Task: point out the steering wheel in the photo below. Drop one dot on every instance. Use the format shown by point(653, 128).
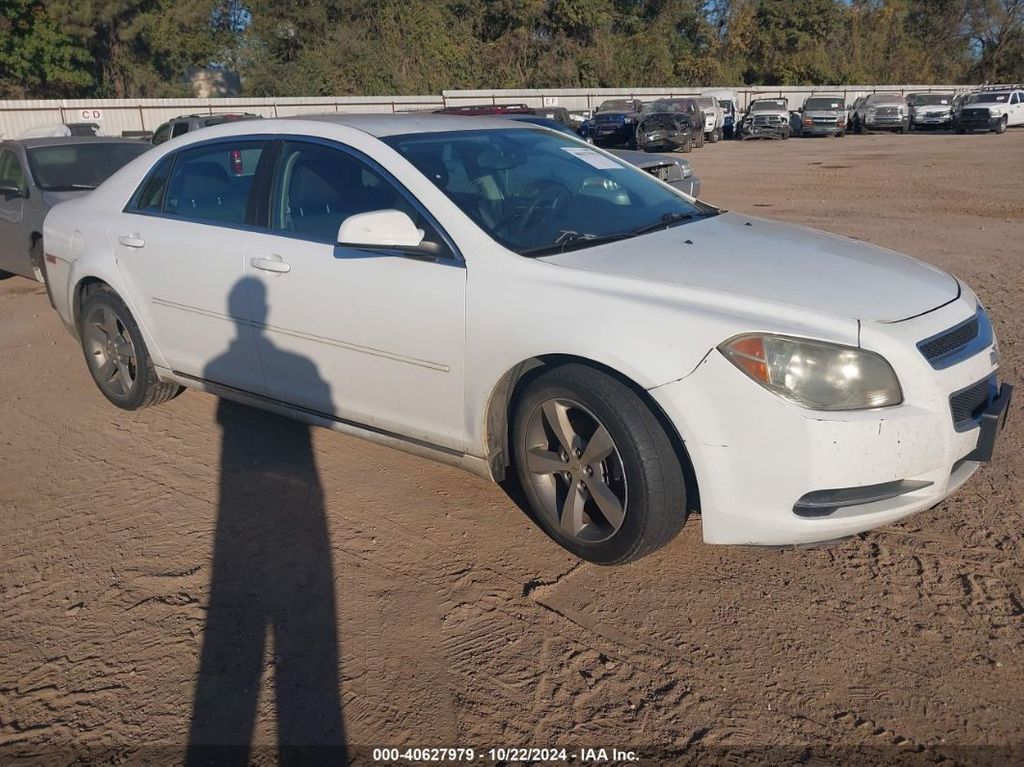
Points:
point(551, 197)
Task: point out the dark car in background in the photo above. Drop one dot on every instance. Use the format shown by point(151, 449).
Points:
point(669, 124)
point(36, 174)
point(614, 123)
point(189, 123)
point(823, 116)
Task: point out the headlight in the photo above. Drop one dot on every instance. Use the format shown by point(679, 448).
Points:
point(996, 111)
point(628, 120)
point(815, 374)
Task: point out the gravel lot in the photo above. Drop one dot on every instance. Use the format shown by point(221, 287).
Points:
point(444, 616)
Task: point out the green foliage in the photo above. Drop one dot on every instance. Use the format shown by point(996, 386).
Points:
point(53, 48)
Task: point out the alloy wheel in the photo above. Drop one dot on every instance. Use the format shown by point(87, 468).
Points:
point(110, 351)
point(576, 470)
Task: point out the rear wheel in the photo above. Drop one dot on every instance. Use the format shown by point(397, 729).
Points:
point(116, 353)
point(688, 144)
point(599, 472)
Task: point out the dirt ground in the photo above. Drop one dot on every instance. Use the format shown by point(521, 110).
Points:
point(424, 600)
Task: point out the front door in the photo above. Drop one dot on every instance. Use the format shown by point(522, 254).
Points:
point(180, 247)
point(13, 239)
point(372, 337)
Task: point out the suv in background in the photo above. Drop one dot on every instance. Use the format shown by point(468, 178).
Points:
point(880, 111)
point(189, 123)
point(823, 116)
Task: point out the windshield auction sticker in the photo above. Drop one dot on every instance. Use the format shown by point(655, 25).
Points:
point(592, 158)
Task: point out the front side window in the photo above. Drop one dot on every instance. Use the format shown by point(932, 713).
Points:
point(212, 182)
point(316, 187)
point(179, 129)
point(536, 192)
point(65, 167)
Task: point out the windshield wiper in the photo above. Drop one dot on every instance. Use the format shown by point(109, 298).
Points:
point(667, 220)
point(569, 240)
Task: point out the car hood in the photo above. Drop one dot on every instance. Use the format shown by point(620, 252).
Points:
point(780, 112)
point(931, 108)
point(776, 262)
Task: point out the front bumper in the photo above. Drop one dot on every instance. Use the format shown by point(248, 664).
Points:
point(979, 123)
point(761, 131)
point(612, 135)
point(658, 139)
point(887, 123)
point(822, 129)
point(933, 121)
point(756, 455)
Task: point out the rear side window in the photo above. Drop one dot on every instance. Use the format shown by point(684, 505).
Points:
point(150, 196)
point(162, 134)
point(178, 129)
point(212, 183)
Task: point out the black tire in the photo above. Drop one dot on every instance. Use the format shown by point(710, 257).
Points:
point(700, 140)
point(840, 134)
point(687, 146)
point(713, 136)
point(146, 389)
point(1001, 126)
point(655, 505)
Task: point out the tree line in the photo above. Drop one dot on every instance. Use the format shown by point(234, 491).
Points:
point(151, 48)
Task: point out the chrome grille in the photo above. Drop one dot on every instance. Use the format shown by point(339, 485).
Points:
point(768, 120)
point(976, 113)
point(887, 112)
point(966, 405)
point(950, 341)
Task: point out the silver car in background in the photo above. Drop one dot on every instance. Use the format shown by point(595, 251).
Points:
point(36, 174)
point(823, 116)
point(881, 111)
point(929, 111)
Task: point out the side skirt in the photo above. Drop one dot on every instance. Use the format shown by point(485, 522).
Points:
point(469, 463)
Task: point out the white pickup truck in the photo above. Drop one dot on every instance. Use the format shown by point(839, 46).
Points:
point(714, 118)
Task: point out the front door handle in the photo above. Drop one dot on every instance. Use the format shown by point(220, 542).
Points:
point(274, 264)
point(131, 241)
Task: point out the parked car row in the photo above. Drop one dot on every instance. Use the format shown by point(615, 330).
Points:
point(517, 303)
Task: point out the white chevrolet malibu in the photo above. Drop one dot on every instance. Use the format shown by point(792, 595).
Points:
point(515, 302)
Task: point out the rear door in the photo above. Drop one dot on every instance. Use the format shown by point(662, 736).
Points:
point(180, 248)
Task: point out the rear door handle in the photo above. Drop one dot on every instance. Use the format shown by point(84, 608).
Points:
point(131, 241)
point(273, 264)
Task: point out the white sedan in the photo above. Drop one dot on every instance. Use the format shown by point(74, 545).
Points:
point(515, 302)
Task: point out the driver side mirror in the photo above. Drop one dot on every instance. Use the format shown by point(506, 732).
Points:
point(386, 228)
point(9, 190)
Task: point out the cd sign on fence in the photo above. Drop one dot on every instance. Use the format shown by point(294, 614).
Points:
point(90, 115)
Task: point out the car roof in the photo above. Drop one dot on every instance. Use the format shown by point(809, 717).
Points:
point(382, 125)
point(32, 143)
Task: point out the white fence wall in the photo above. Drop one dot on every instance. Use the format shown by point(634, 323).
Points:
point(119, 115)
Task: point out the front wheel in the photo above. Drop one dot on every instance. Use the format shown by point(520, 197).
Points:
point(116, 353)
point(599, 472)
point(1001, 125)
point(687, 145)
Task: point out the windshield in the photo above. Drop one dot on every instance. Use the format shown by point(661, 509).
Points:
point(767, 106)
point(931, 99)
point(537, 192)
point(705, 103)
point(982, 98)
point(667, 105)
point(823, 104)
point(616, 106)
point(64, 167)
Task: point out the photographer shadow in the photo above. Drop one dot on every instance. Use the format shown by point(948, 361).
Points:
point(272, 584)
